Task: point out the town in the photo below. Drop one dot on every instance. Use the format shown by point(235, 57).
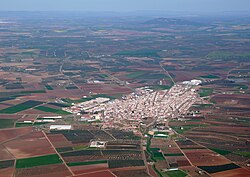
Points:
point(138, 108)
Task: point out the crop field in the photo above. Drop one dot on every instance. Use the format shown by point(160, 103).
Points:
point(204, 157)
point(76, 136)
point(175, 173)
point(135, 74)
point(156, 154)
point(7, 134)
point(21, 124)
point(123, 135)
point(52, 170)
point(82, 153)
point(59, 141)
point(131, 173)
point(48, 87)
point(205, 92)
point(97, 174)
point(125, 163)
point(219, 168)
point(102, 135)
point(64, 149)
point(121, 154)
point(38, 161)
point(20, 107)
point(89, 168)
point(59, 104)
point(7, 164)
point(87, 163)
point(7, 172)
point(6, 123)
point(52, 110)
point(234, 172)
point(40, 146)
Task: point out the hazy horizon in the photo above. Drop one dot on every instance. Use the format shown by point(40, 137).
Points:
point(191, 6)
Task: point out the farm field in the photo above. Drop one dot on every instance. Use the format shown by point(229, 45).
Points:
point(20, 107)
point(40, 146)
point(52, 110)
point(38, 161)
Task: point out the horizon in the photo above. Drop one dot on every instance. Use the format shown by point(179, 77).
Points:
point(194, 6)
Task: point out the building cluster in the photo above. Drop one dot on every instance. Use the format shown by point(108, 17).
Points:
point(132, 110)
point(87, 105)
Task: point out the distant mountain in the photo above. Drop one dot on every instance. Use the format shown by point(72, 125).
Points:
point(171, 21)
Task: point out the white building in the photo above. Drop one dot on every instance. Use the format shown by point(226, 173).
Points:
point(60, 127)
point(192, 82)
point(53, 117)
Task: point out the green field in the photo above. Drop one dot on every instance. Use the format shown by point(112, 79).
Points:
point(38, 161)
point(244, 87)
point(6, 164)
point(103, 75)
point(6, 123)
point(80, 147)
point(87, 163)
point(33, 91)
point(156, 155)
point(221, 151)
point(243, 153)
point(229, 56)
point(52, 110)
point(173, 154)
point(203, 92)
point(6, 99)
point(175, 173)
point(64, 149)
point(20, 107)
point(21, 124)
point(71, 87)
point(210, 77)
point(48, 87)
point(135, 74)
point(202, 105)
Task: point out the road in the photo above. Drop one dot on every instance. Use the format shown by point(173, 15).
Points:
point(167, 73)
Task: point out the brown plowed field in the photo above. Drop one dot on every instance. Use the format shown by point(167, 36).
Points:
point(4, 116)
point(239, 172)
point(105, 89)
point(88, 168)
point(226, 129)
point(13, 133)
point(105, 173)
point(132, 173)
point(4, 154)
point(82, 158)
point(7, 172)
point(59, 141)
point(205, 157)
point(44, 171)
point(4, 106)
point(33, 144)
point(183, 163)
point(52, 94)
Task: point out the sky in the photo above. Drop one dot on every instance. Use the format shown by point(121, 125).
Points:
point(125, 5)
